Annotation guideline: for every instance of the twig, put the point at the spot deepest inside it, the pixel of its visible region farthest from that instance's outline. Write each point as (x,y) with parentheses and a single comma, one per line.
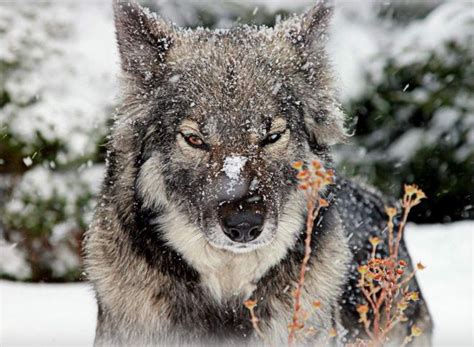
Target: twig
(299,288)
(311,181)
(250,304)
(383,282)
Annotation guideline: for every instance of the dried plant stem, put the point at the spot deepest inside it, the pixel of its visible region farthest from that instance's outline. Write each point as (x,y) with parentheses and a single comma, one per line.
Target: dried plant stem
(311,180)
(384,281)
(406,341)
(401,227)
(312,213)
(250,305)
(388,310)
(254,320)
(390,235)
(367,329)
(408,279)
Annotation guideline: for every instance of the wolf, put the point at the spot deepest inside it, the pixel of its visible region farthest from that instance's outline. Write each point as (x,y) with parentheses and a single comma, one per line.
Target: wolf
(200,209)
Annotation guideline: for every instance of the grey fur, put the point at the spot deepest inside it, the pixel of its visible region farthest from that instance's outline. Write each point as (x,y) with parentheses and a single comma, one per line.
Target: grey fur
(163,271)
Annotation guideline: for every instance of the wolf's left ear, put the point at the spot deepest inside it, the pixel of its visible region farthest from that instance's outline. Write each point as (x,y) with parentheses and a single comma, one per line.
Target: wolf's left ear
(308,33)
(313,26)
(143,39)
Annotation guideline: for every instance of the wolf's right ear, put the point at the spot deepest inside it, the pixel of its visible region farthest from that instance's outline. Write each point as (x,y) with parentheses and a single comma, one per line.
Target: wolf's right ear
(143,39)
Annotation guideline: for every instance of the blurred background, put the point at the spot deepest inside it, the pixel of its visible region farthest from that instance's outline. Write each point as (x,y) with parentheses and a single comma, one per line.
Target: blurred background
(405,76)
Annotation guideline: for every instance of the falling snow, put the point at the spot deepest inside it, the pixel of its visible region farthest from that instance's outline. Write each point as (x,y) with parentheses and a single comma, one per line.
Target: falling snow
(84,56)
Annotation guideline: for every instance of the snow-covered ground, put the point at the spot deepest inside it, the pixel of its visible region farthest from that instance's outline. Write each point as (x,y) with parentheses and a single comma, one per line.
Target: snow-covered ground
(46,314)
(64,315)
(447,282)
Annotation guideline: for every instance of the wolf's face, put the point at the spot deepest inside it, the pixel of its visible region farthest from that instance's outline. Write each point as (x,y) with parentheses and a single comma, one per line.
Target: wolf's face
(224,115)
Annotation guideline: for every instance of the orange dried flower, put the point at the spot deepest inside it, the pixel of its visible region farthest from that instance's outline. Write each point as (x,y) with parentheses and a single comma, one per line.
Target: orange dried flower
(328,180)
(298,165)
(382,278)
(303,186)
(362,309)
(402,305)
(295,326)
(321,174)
(303,175)
(391,211)
(374,241)
(413,296)
(413,194)
(416,331)
(332,332)
(316,304)
(323,202)
(250,304)
(370,276)
(420,194)
(316,164)
(375,261)
(410,189)
(317,182)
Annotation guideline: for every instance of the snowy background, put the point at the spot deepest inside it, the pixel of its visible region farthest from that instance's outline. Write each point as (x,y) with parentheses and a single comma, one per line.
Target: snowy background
(406,81)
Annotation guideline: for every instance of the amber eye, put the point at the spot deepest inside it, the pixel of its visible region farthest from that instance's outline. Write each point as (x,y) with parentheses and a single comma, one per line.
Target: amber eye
(194,141)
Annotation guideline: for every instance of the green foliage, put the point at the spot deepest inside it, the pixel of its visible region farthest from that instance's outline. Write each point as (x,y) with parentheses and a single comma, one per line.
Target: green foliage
(51,140)
(416,124)
(46,215)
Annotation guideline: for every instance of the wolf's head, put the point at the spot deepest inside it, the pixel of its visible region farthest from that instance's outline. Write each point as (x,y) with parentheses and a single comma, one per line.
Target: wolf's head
(219,116)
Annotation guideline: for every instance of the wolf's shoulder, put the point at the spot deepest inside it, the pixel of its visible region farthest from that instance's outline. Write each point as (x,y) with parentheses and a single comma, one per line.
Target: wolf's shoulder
(361,208)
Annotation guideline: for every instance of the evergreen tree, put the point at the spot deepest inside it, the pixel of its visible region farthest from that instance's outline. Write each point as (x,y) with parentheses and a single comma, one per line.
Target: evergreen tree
(414,122)
(53,111)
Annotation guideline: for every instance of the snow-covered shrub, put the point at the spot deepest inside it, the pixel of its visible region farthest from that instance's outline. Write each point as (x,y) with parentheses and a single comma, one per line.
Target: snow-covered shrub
(50,105)
(414,120)
(56,95)
(13,262)
(46,216)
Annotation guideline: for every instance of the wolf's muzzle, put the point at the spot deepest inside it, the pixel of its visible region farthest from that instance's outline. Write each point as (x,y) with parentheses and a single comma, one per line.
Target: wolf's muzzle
(241,222)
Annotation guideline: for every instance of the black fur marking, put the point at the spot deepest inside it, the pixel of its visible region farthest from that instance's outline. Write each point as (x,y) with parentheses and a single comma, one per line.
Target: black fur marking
(144,231)
(147,239)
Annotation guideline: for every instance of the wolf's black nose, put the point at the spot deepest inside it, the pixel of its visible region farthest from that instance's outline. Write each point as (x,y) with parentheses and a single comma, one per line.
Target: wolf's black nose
(243,226)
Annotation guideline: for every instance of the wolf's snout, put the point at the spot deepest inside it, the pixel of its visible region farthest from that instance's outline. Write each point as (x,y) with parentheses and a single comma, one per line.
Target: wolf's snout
(239,223)
(243,226)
